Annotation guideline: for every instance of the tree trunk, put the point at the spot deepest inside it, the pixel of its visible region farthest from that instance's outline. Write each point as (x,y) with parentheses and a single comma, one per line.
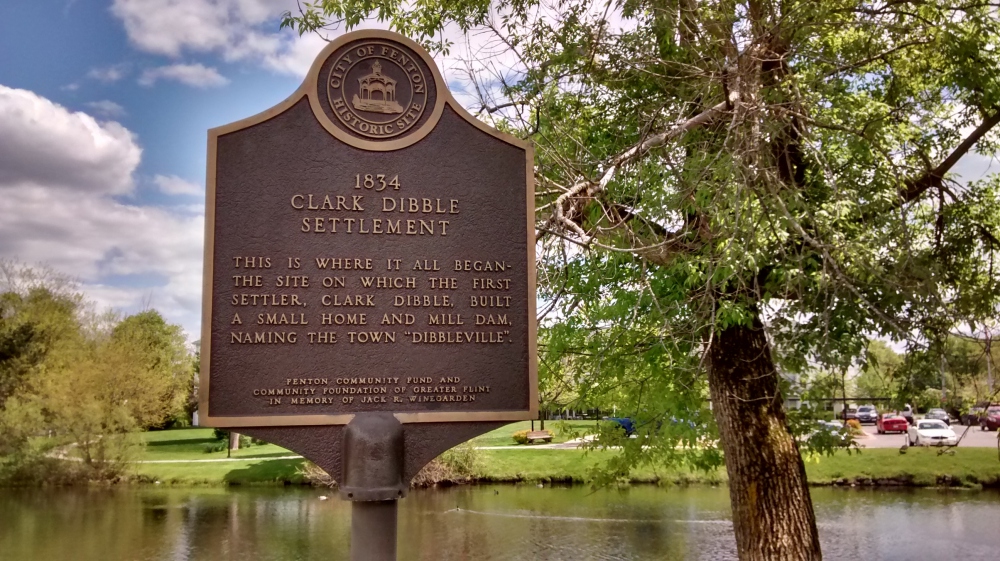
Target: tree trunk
(772,510)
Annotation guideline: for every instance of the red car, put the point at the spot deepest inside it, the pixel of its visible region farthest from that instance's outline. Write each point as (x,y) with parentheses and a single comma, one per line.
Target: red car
(889,422)
(990,419)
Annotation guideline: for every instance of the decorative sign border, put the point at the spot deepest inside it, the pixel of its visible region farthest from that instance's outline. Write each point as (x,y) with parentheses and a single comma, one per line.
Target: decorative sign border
(309,89)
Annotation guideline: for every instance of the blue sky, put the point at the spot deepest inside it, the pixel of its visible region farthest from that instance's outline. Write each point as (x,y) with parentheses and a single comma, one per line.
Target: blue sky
(104,108)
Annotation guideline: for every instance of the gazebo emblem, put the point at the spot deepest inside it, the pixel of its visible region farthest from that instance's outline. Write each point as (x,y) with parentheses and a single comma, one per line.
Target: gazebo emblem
(383,86)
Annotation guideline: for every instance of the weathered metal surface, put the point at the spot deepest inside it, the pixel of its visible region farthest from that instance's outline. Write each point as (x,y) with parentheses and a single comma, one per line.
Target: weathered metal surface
(374,530)
(369,248)
(322,444)
(373,459)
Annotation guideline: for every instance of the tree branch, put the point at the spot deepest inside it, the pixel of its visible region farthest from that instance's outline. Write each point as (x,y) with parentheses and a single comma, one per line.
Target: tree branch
(913,188)
(570,203)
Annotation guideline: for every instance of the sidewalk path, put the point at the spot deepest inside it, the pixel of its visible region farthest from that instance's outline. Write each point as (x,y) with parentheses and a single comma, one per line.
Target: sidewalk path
(568,445)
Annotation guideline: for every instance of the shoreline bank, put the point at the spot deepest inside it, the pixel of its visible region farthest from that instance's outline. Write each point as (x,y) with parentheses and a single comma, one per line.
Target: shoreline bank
(870,468)
(193,457)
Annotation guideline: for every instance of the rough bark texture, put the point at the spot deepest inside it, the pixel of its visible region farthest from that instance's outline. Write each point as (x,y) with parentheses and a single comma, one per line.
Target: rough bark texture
(772,510)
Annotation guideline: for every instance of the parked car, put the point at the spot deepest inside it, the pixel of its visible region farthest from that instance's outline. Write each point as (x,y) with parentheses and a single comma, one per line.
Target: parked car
(931,432)
(990,419)
(939,414)
(972,417)
(891,422)
(849,413)
(625,423)
(867,414)
(830,430)
(632,426)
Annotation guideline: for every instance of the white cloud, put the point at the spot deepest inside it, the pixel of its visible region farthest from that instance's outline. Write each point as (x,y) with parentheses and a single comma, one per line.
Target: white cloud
(173,185)
(107,108)
(109,74)
(46,143)
(173,26)
(295,55)
(974,167)
(235,29)
(60,173)
(195,75)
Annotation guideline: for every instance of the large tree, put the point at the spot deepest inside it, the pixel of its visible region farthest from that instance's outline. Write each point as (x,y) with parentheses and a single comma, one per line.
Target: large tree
(729,188)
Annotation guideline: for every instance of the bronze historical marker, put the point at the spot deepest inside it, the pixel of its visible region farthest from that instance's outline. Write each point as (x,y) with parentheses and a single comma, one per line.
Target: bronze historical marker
(369,248)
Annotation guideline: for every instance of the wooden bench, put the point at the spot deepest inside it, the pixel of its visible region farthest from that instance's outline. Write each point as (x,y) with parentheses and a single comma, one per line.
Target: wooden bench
(542,435)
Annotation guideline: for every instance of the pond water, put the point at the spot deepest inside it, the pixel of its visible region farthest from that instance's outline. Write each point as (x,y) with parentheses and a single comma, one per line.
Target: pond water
(481,523)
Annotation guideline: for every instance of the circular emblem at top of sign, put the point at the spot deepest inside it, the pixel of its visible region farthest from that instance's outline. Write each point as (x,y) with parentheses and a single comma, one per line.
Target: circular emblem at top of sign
(378,90)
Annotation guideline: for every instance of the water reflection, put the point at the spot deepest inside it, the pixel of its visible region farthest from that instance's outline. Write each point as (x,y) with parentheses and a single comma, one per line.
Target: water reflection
(482,523)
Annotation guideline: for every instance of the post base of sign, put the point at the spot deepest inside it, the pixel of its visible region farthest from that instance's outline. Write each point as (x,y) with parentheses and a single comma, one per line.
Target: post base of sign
(373,450)
(373,530)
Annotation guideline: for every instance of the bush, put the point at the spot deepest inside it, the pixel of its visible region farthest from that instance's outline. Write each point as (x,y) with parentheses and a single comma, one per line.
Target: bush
(458,465)
(245,441)
(464,460)
(521,437)
(314,475)
(854,427)
(216,447)
(223,444)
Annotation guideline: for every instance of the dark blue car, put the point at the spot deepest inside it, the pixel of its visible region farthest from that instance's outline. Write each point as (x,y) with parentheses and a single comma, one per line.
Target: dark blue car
(625,423)
(629,425)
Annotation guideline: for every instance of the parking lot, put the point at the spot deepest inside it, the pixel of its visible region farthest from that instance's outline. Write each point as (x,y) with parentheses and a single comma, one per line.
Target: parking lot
(974,438)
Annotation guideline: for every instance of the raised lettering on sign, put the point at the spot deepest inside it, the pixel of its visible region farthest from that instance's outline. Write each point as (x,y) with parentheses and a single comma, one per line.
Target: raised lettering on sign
(368,226)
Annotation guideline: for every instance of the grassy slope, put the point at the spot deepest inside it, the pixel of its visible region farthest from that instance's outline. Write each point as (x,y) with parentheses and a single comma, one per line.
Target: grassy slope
(190,444)
(917,466)
(229,473)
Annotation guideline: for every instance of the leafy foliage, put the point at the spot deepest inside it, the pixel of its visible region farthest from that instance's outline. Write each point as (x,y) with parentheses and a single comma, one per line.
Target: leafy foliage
(66,382)
(700,163)
(711,166)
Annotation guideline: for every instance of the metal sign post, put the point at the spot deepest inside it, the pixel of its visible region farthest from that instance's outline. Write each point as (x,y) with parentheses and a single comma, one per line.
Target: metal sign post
(369,296)
(373,480)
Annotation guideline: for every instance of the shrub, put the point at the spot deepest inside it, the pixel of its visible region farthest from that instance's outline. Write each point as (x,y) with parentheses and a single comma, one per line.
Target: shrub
(464,460)
(245,441)
(223,444)
(521,437)
(216,447)
(459,465)
(314,475)
(854,427)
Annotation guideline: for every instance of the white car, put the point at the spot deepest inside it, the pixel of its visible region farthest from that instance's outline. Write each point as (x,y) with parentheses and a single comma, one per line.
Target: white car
(931,432)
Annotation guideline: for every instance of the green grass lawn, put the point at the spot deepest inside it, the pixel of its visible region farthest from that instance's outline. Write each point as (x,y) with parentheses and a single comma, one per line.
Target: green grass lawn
(243,472)
(919,466)
(255,467)
(575,466)
(191,443)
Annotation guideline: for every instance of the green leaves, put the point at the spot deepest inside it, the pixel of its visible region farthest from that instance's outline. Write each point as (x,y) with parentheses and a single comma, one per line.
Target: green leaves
(62,375)
(796,203)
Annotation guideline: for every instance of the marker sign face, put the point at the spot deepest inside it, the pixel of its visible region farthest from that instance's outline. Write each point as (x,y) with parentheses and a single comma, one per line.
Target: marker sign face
(369,247)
